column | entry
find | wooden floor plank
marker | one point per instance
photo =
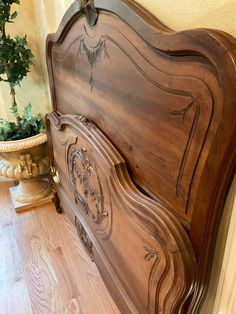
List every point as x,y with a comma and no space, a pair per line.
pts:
38,271
13,290
44,267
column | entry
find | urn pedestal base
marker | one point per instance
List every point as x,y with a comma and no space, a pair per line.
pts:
30,193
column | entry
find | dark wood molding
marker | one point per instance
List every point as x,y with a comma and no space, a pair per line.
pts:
87,6
166,102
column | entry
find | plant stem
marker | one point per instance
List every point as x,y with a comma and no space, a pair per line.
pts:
14,104
12,89
3,31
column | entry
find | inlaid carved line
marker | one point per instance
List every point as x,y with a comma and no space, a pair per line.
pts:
94,54
141,71
151,253
184,114
87,243
82,173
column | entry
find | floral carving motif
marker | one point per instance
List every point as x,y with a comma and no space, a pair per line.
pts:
87,184
151,253
87,243
94,54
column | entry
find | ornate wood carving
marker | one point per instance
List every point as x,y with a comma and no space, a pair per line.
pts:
191,145
159,236
83,171
183,114
90,12
151,253
94,54
84,120
166,100
87,243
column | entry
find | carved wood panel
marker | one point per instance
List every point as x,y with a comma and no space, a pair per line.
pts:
166,101
156,244
87,185
182,109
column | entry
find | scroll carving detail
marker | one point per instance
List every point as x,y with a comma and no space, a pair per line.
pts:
94,54
90,11
86,182
151,253
87,243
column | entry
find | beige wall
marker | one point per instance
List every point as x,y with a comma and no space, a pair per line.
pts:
225,302
187,14
33,88
177,14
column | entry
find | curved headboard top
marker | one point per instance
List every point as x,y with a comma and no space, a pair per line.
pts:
165,99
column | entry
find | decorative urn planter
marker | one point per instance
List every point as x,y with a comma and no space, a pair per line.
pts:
27,161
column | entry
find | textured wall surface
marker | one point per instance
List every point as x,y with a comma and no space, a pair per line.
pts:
187,14
225,300
33,87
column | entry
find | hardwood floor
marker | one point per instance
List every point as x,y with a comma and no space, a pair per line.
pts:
43,266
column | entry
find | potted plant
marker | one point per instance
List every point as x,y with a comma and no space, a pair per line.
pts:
22,141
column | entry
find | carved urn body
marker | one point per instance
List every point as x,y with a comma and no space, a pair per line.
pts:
27,161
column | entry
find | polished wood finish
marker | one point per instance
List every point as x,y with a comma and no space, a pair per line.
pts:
118,222
43,266
165,102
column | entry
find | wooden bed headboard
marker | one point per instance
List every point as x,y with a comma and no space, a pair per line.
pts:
142,141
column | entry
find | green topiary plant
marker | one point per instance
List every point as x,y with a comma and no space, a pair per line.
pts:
15,61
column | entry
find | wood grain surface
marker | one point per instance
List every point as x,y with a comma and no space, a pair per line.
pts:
117,222
166,102
43,266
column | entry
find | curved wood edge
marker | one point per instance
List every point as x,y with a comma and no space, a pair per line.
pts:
112,282
161,223
213,44
156,220
211,223
218,47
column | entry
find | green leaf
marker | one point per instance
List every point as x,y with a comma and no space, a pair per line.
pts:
15,58
15,62
14,110
28,125
41,126
13,15
28,112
